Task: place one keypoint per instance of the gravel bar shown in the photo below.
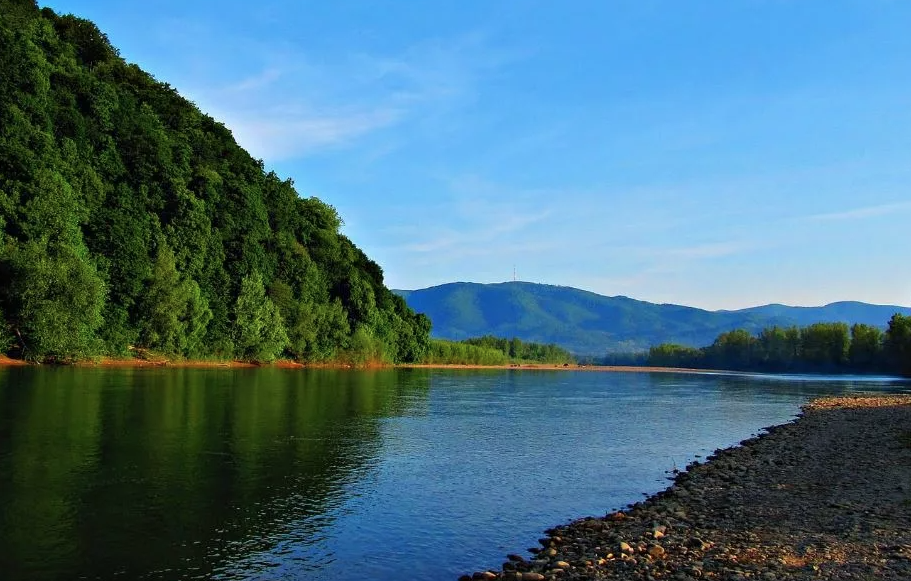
(827, 496)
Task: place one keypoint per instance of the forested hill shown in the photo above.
(590, 324)
(128, 218)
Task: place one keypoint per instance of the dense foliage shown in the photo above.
(518, 350)
(819, 347)
(460, 353)
(586, 323)
(128, 218)
(489, 350)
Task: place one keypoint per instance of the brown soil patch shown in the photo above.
(6, 361)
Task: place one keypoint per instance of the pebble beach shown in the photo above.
(827, 496)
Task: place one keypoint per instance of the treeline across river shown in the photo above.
(490, 350)
(821, 347)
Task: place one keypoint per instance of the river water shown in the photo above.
(344, 475)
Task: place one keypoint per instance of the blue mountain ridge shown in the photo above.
(587, 323)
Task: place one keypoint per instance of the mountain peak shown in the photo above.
(588, 323)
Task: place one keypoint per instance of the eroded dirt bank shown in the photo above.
(825, 497)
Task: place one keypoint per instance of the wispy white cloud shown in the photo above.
(299, 103)
(478, 218)
(256, 82)
(276, 136)
(861, 213)
(651, 268)
(649, 255)
(436, 69)
(476, 237)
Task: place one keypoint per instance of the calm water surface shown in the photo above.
(342, 475)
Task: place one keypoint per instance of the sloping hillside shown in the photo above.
(588, 323)
(129, 218)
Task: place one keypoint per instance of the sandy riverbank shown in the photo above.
(827, 496)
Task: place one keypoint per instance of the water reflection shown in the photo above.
(323, 474)
(180, 473)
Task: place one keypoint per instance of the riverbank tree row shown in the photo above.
(829, 347)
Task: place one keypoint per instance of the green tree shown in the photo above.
(792, 337)
(897, 344)
(825, 344)
(300, 319)
(414, 337)
(366, 347)
(259, 331)
(735, 349)
(775, 349)
(671, 355)
(515, 348)
(174, 312)
(54, 300)
(332, 331)
(866, 347)
(196, 319)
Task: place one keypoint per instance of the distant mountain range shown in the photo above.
(591, 324)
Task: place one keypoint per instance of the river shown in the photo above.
(344, 475)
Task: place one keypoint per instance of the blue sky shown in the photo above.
(716, 154)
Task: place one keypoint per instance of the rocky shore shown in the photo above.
(827, 496)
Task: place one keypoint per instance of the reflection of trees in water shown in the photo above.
(770, 385)
(177, 473)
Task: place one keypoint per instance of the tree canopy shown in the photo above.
(490, 350)
(829, 347)
(129, 218)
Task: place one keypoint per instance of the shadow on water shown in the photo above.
(180, 473)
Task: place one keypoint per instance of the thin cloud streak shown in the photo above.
(256, 82)
(288, 111)
(482, 233)
(860, 213)
(283, 137)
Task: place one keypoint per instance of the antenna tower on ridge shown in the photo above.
(514, 273)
